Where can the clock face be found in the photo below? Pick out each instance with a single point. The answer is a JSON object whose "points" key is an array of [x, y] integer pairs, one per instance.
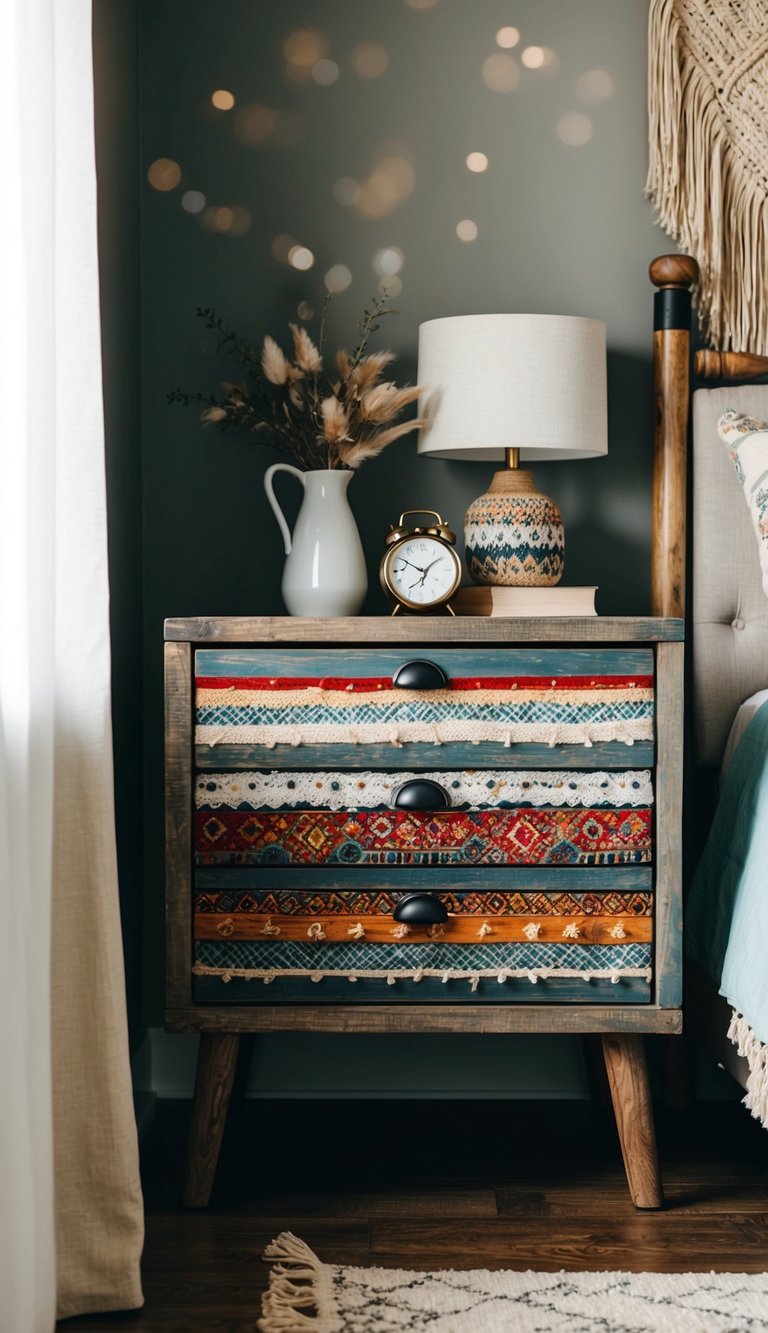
{"points": [[423, 571]]}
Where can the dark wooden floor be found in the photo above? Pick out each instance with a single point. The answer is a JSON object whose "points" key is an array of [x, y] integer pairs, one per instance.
{"points": [[439, 1185]]}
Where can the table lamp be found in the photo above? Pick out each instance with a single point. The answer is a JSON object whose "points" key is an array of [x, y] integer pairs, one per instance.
{"points": [[508, 388]]}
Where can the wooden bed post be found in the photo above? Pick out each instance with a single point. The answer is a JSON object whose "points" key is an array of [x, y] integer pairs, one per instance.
{"points": [[673, 275]]}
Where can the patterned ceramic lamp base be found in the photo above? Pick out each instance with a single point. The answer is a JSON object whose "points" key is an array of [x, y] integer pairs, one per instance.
{"points": [[514, 534]]}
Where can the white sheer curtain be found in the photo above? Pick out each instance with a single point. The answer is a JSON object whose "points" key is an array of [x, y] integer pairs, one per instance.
{"points": [[70, 1203]]}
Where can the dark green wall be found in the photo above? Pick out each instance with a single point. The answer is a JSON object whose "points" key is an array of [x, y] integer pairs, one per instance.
{"points": [[561, 229], [116, 89]]}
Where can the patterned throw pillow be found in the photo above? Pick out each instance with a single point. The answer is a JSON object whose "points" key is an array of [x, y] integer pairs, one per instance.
{"points": [[747, 443]]}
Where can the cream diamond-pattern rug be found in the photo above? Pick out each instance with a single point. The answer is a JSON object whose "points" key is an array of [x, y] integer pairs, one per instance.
{"points": [[305, 1294]]}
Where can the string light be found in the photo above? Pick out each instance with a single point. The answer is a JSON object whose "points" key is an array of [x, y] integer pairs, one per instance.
{"points": [[574, 129], [507, 37], [477, 162], [501, 73], [338, 278], [300, 257], [193, 201], [222, 99], [164, 174], [370, 60]]}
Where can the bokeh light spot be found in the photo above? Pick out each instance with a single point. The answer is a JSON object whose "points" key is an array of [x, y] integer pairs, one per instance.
{"points": [[477, 162], [388, 261], [223, 99], [466, 230], [537, 57], [338, 278], [325, 72], [346, 191], [282, 246], [300, 257], [241, 221], [217, 218], [386, 188], [255, 124], [302, 50], [595, 86], [370, 60], [574, 129], [390, 286], [421, 4], [164, 174], [305, 311], [501, 73], [193, 201], [507, 37]]}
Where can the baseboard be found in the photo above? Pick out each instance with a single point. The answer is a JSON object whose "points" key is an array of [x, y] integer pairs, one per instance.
{"points": [[324, 1067], [329, 1067]]}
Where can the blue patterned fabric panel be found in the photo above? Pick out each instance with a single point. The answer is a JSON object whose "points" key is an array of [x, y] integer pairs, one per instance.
{"points": [[544, 712], [359, 955]]}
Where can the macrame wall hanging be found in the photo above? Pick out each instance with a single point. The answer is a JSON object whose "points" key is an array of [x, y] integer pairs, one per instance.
{"points": [[708, 174]]}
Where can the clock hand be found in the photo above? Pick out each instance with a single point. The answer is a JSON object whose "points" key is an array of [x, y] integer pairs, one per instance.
{"points": [[408, 562]]}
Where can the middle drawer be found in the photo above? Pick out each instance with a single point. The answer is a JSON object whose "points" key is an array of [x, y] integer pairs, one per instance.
{"points": [[426, 818]]}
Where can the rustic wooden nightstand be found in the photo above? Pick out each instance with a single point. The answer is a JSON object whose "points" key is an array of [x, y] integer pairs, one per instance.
{"points": [[424, 825]]}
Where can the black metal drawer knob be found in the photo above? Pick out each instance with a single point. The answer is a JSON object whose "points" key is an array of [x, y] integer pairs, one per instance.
{"points": [[420, 909], [420, 675], [420, 794]]}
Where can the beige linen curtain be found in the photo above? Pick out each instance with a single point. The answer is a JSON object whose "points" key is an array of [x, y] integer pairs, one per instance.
{"points": [[70, 1201]]}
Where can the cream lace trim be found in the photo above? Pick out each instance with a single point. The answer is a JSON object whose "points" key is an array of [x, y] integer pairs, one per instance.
{"points": [[366, 789], [385, 733]]}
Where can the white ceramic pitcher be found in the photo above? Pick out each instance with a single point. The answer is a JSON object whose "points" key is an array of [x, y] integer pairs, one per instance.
{"points": [[324, 571]]}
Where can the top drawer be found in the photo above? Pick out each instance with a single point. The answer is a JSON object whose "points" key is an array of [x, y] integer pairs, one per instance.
{"points": [[555, 707]]}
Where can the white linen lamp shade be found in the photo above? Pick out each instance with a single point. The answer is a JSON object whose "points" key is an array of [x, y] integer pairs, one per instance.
{"points": [[506, 388]]}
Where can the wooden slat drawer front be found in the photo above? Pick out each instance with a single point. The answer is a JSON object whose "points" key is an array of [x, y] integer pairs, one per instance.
{"points": [[496, 818], [299, 940], [501, 917], [328, 703]]}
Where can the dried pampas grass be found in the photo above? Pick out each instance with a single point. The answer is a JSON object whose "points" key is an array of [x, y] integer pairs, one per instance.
{"points": [[318, 421]]}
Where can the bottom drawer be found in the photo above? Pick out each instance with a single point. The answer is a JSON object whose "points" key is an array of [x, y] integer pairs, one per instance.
{"points": [[492, 947]]}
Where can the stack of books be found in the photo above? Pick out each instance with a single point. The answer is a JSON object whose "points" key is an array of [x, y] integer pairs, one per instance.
{"points": [[513, 602]]}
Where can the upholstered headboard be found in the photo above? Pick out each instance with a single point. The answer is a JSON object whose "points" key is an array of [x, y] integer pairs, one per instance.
{"points": [[730, 609]]}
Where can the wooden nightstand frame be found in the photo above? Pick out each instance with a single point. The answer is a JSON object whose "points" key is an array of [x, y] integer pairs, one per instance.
{"points": [[621, 1027]]}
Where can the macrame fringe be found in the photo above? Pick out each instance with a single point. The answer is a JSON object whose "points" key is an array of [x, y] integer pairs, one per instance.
{"points": [[269, 974], [705, 194], [299, 1294], [755, 1053]]}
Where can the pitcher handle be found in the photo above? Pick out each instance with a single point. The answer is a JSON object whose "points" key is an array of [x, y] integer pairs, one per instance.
{"points": [[276, 510]]}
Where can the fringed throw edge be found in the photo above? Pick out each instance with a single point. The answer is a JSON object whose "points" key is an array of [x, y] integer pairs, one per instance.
{"points": [[706, 196], [299, 1295], [755, 1052]]}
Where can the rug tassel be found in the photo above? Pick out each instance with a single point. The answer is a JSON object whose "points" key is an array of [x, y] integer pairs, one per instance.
{"points": [[298, 1282]]}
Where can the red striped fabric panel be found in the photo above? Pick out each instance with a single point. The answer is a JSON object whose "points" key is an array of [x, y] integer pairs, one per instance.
{"points": [[364, 684]]}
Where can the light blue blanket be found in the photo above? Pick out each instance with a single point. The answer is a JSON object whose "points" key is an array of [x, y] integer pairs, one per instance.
{"points": [[727, 909]]}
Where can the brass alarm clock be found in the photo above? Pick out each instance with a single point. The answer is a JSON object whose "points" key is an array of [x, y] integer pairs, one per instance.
{"points": [[420, 570]]}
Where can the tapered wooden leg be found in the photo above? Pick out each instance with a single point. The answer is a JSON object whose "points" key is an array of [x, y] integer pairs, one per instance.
{"points": [[631, 1097], [216, 1064]]}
